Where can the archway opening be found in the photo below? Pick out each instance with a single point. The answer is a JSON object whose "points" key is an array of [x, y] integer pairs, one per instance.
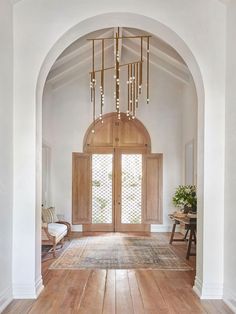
{"points": [[196, 75]]}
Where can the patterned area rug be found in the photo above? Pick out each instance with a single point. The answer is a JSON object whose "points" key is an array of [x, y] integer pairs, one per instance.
{"points": [[114, 252]]}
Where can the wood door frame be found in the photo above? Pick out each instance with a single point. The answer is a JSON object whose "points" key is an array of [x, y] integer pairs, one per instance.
{"points": [[115, 135], [116, 225]]}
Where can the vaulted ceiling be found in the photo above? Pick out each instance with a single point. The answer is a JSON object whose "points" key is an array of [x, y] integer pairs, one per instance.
{"points": [[223, 1], [76, 59]]}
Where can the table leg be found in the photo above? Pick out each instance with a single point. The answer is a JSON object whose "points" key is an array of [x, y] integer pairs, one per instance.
{"points": [[190, 241], [173, 232], [186, 234], [194, 237]]}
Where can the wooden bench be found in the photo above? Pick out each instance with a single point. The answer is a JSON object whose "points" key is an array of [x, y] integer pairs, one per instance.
{"points": [[54, 233], [190, 225]]}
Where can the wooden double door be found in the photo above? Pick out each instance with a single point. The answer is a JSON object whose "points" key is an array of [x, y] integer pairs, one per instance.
{"points": [[117, 183], [117, 189]]}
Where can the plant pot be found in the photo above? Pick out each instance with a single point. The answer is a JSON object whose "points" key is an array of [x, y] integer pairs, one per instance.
{"points": [[193, 210], [186, 209]]}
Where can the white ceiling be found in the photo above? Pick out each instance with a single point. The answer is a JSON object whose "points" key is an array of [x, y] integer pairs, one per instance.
{"points": [[76, 59], [15, 1], [223, 1]]}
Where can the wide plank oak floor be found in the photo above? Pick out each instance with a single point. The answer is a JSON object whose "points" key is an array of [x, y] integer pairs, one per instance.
{"points": [[118, 291]]}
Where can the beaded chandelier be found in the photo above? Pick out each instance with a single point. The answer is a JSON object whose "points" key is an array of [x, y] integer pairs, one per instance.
{"points": [[134, 70]]}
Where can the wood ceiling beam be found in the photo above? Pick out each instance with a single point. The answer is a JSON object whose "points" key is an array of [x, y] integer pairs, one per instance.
{"points": [[162, 64], [81, 49], [162, 50], [78, 60], [74, 63]]}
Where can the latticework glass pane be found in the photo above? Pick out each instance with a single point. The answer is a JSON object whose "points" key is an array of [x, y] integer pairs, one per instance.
{"points": [[131, 188], [101, 188]]}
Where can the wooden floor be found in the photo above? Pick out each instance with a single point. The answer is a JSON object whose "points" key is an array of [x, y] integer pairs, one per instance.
{"points": [[119, 291]]}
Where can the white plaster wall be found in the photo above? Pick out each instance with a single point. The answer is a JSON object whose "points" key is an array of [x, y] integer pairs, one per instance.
{"points": [[230, 166], [46, 116], [46, 146], [189, 130], [71, 116], [6, 149], [189, 26]]}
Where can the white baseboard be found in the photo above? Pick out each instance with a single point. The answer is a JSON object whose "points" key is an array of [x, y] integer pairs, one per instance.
{"points": [[163, 228], [5, 298], [28, 291], [208, 290], [212, 291], [197, 288], [77, 228], [154, 228], [229, 298], [39, 286]]}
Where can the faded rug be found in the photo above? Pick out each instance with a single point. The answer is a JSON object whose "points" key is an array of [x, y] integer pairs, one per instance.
{"points": [[119, 252], [115, 252]]}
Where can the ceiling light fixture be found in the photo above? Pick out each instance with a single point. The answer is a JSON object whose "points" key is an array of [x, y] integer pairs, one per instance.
{"points": [[134, 71]]}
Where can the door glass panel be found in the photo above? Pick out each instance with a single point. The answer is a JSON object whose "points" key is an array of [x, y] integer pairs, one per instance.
{"points": [[102, 188], [131, 188]]}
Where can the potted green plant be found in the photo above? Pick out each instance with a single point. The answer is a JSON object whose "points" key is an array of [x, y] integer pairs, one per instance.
{"points": [[185, 198]]}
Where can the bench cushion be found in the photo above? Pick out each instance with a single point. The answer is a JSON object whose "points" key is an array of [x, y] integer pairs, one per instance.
{"points": [[57, 230]]}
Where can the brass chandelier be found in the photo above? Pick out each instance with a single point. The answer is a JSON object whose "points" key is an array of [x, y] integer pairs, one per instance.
{"points": [[134, 71]]}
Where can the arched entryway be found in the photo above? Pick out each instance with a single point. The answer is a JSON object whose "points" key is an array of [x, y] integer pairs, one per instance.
{"points": [[116, 176], [28, 98], [166, 34]]}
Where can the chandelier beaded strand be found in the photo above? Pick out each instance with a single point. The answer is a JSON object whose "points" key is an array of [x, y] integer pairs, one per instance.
{"points": [[117, 75], [141, 66], [134, 76], [102, 84], [93, 86], [128, 90], [148, 55]]}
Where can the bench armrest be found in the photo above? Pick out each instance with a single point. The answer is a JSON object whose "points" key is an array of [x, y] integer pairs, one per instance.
{"points": [[68, 227]]}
